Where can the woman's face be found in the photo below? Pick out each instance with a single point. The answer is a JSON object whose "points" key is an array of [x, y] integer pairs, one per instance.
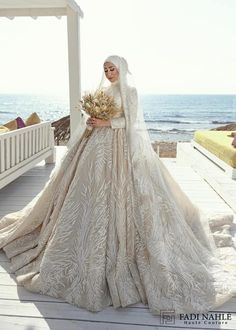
{"points": [[111, 71]]}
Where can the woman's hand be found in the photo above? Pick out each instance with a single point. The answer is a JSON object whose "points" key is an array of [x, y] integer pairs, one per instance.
{"points": [[95, 122]]}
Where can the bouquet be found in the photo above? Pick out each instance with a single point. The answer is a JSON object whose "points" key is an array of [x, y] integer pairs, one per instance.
{"points": [[99, 105]]}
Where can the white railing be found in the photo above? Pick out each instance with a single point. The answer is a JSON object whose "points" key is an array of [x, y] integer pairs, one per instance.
{"points": [[22, 149]]}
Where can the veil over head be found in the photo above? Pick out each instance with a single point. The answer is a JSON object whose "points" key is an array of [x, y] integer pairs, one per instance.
{"points": [[136, 130], [119, 62]]}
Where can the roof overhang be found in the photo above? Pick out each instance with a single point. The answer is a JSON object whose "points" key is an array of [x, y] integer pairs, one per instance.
{"points": [[35, 8]]}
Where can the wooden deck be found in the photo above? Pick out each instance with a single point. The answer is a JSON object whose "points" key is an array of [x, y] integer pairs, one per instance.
{"points": [[216, 178], [20, 309]]}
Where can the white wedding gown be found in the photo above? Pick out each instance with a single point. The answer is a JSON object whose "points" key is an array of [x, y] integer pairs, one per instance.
{"points": [[92, 238]]}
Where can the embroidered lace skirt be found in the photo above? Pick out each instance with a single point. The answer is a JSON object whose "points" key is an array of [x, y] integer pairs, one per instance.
{"points": [[98, 236]]}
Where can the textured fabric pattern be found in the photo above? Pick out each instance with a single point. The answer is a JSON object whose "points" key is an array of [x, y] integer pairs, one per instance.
{"points": [[118, 122], [98, 235]]}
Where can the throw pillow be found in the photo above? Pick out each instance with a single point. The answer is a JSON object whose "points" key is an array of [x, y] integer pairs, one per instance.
{"points": [[11, 125], [20, 122], [32, 119]]}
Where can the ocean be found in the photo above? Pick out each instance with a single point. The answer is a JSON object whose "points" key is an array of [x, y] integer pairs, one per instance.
{"points": [[168, 117]]}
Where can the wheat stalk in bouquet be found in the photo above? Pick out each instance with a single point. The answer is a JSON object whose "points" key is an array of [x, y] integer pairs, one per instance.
{"points": [[99, 105]]}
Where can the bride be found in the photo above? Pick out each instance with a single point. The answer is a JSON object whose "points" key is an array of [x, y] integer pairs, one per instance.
{"points": [[112, 227]]}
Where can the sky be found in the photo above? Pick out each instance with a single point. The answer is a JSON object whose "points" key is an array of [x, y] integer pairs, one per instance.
{"points": [[172, 47]]}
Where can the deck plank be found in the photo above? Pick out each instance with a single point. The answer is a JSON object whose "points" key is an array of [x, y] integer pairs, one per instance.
{"points": [[13, 292], [8, 279], [207, 169], [202, 193], [5, 267], [64, 311], [25, 323]]}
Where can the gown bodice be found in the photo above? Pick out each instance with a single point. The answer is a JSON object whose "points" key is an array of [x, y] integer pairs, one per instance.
{"points": [[113, 90]]}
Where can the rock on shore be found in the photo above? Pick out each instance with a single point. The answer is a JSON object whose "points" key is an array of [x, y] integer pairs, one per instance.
{"points": [[228, 127]]}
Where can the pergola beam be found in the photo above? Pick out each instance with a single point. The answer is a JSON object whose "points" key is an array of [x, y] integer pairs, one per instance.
{"points": [[33, 12]]}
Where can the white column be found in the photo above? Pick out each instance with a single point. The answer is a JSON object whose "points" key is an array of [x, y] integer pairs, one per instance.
{"points": [[73, 31]]}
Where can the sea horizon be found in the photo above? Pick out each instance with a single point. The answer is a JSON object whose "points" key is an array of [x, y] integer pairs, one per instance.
{"points": [[169, 117]]}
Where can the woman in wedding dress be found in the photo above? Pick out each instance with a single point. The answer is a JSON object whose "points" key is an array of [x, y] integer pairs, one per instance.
{"points": [[112, 227]]}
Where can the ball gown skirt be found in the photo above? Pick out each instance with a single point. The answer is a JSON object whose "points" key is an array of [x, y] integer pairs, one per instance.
{"points": [[96, 235]]}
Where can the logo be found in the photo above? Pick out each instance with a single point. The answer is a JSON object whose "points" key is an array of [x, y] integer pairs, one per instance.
{"points": [[167, 317]]}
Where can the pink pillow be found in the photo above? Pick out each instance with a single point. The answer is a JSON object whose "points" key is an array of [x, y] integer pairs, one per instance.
{"points": [[20, 122], [234, 142]]}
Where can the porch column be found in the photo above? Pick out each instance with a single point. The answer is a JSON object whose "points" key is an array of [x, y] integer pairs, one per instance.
{"points": [[73, 31]]}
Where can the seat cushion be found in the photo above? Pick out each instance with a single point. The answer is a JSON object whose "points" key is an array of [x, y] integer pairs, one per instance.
{"points": [[12, 125], [219, 143], [3, 129]]}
